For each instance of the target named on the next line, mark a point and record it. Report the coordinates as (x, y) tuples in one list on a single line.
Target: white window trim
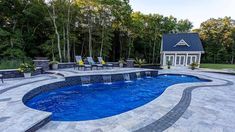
[(169, 56), (180, 60), (183, 52)]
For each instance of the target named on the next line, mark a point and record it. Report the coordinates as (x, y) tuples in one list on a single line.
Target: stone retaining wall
[(71, 65), (66, 65), (42, 63), (14, 73), (150, 66)]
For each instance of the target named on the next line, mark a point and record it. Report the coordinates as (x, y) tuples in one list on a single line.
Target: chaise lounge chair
[(80, 63), (101, 61), (93, 64), (1, 76)]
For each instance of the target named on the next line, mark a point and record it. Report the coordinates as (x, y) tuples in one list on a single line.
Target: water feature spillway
[(138, 75), (86, 80), (107, 79), (127, 77)]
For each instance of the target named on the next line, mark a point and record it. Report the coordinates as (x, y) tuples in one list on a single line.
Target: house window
[(177, 60), (180, 60), (170, 58), (191, 59)]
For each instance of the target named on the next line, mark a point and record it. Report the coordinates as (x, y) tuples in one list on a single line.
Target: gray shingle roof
[(182, 42)]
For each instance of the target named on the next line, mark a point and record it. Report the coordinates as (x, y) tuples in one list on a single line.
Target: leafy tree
[(60, 29), (217, 37), (184, 26)]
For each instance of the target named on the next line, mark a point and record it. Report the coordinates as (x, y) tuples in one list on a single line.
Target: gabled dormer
[(182, 43)]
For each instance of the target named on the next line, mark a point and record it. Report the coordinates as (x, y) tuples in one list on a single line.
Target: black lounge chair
[(85, 66), (1, 76), (93, 64), (101, 61)]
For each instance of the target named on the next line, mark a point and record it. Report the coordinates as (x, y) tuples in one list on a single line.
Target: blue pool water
[(96, 101)]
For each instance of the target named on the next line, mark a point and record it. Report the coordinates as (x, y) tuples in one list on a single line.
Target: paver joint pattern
[(174, 114)]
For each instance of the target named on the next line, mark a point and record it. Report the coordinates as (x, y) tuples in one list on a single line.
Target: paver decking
[(15, 116), (207, 106), (172, 116)]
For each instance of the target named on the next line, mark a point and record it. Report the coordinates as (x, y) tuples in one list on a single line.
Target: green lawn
[(12, 63), (218, 66), (9, 64)]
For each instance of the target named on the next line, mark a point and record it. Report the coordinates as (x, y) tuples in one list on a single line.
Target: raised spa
[(79, 103)]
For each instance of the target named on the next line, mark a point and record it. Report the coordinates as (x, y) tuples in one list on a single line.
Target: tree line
[(218, 38), (61, 29)]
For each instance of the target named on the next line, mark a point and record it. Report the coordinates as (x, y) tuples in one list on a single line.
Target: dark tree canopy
[(61, 29)]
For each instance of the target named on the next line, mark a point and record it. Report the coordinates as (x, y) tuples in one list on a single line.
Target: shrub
[(168, 64), (193, 65), (140, 62), (26, 68), (54, 62), (122, 61)]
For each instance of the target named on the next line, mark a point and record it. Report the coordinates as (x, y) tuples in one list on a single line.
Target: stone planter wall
[(150, 66), (115, 64), (13, 73), (71, 65), (66, 65), (130, 63), (42, 63)]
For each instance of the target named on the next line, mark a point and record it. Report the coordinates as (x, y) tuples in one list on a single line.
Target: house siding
[(186, 58)]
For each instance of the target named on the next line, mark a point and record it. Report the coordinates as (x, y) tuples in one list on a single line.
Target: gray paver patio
[(14, 115), (211, 108)]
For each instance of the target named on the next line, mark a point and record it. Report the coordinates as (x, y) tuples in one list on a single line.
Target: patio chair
[(1, 76), (101, 61), (93, 64), (80, 63)]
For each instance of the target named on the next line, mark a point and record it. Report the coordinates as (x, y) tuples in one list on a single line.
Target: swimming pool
[(79, 103)]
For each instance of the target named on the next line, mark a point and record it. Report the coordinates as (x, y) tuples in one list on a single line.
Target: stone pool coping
[(129, 121), (74, 73), (14, 73)]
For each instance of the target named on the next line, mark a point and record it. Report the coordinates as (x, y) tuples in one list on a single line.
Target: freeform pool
[(79, 103)]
